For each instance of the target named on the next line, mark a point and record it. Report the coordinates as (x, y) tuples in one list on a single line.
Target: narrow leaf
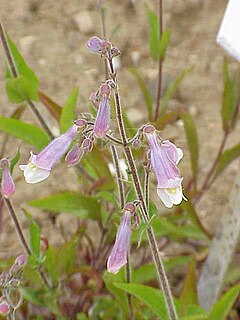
[(20, 89), (145, 92), (54, 109), (35, 235), (189, 291), (226, 158), (85, 207), (193, 143), (24, 131), (154, 34), (223, 306), (68, 112), (171, 90), (163, 43), (152, 297)]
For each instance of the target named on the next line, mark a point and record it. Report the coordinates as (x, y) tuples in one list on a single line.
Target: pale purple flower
[(7, 183), (21, 260), (74, 155), (94, 44), (40, 165), (118, 256), (102, 122), (164, 158), (4, 308)]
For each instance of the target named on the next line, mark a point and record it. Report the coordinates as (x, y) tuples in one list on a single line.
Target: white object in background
[(229, 34)]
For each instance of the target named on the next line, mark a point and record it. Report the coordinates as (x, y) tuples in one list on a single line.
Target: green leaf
[(54, 109), (111, 280), (152, 297), (24, 131), (82, 316), (226, 158), (35, 235), (222, 307), (20, 64), (68, 112), (34, 296), (229, 98), (84, 207), (15, 160), (193, 143), (163, 43), (20, 89), (154, 34), (171, 90), (145, 92), (189, 291)]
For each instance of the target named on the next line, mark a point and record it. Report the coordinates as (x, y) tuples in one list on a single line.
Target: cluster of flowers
[(164, 156)]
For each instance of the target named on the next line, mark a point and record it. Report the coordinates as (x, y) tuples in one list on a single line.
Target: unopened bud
[(136, 221), (136, 144), (43, 244), (115, 52), (7, 184), (4, 308), (21, 260), (130, 207), (105, 46), (105, 89), (87, 145), (81, 123)]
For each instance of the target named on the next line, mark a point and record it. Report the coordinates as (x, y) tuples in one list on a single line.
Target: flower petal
[(175, 195), (164, 197), (180, 154), (33, 174)]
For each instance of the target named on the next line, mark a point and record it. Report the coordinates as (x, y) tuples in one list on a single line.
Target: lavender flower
[(7, 184), (102, 122), (40, 165), (118, 256), (164, 159)]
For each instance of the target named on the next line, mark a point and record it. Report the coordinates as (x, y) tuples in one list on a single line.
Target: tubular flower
[(40, 165), (102, 122), (94, 44), (118, 256), (164, 158), (7, 184)]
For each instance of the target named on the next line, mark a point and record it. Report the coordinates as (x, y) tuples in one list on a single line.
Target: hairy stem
[(160, 61), (14, 74), (137, 185), (22, 238)]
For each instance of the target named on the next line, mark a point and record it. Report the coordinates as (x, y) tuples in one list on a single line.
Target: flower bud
[(81, 123), (87, 145), (94, 44), (7, 184), (43, 244), (4, 308), (21, 260)]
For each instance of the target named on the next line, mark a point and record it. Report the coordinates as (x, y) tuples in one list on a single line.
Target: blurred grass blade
[(171, 90), (54, 109), (85, 207), (188, 294), (229, 98), (154, 34), (226, 158), (68, 112), (152, 297), (145, 92), (25, 132), (163, 43), (223, 306), (193, 143)]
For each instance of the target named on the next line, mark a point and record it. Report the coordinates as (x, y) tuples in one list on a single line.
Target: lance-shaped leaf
[(152, 297), (171, 90), (145, 92), (226, 158), (223, 306), (68, 112), (27, 83), (154, 34), (193, 143), (229, 98), (54, 109), (24, 131), (163, 43), (85, 207), (189, 291)]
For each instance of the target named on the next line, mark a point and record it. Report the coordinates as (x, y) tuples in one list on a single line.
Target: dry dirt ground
[(52, 35)]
